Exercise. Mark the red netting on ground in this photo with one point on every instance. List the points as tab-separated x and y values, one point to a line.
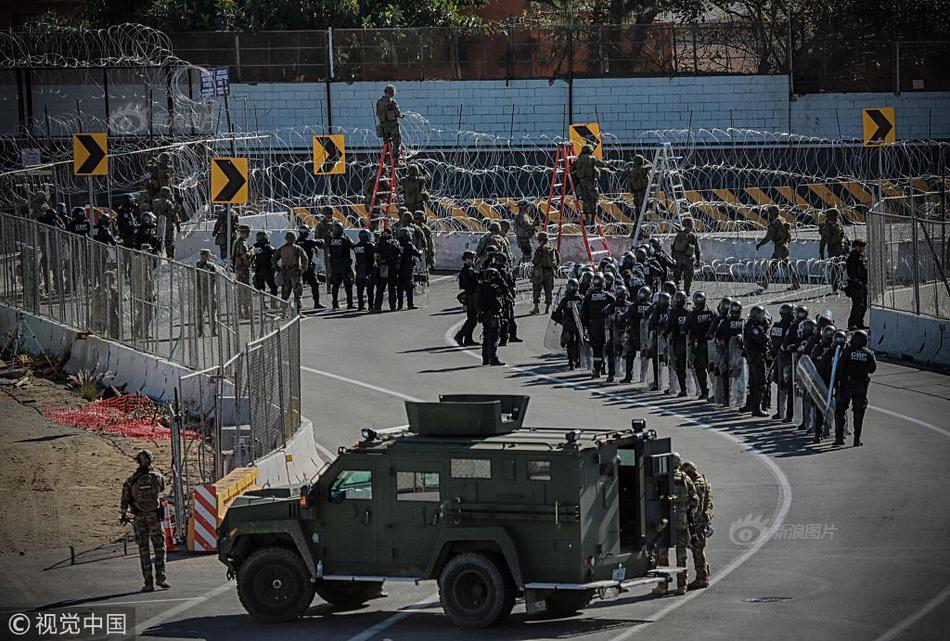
133	415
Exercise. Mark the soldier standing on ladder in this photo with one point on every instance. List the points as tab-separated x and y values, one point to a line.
587	179
388	115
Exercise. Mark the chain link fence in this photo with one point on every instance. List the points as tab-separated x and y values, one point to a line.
909	254
242	400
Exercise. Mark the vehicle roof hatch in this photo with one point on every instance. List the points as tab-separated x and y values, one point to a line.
467	415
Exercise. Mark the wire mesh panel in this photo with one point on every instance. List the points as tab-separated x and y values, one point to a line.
273	366
909	254
196	437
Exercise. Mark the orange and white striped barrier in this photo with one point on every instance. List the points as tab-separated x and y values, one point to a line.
211	502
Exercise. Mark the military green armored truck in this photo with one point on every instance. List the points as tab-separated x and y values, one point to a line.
470	498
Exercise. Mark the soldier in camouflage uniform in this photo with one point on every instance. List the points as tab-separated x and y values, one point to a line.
242	255
831	237
291	260
525	227
140	494
424	234
105	306
207	285
638	175
388	115
685	504
701	527
780	235
545	263
324	232
415	188
165	206
686	254
494	237
586	173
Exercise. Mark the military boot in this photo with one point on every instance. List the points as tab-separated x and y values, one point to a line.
535	310
681	583
162	583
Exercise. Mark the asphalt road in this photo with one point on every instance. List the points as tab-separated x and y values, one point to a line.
854	541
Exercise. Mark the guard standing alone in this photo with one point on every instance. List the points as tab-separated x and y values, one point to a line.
544	262
857	289
857	364
140	494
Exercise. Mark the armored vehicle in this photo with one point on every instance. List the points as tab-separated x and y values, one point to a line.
466	496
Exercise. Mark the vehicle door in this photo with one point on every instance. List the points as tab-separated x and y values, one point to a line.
350	517
656	488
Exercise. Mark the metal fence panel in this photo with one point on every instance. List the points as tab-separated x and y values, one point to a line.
909	255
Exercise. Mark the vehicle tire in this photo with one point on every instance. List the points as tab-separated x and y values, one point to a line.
274	585
562	603
342	594
475	592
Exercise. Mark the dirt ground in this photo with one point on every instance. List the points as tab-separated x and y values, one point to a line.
61	486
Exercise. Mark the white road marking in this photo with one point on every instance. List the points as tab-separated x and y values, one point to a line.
439	279
178	609
916	616
910	419
353	381
785	496
99	603
388	622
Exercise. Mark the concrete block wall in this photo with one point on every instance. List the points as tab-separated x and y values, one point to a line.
626	107
838	115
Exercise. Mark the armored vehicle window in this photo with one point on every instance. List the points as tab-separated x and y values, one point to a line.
417	486
471	468
627	457
539	470
352	484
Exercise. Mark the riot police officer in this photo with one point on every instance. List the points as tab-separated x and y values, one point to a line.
104	230
365	252
309	276
489	304
407	262
677	329
635	321
263	263
564	315
341	266
856	365
388	257
78	222
616	331
782	362
146	234
657	327
699	323
857	288
468	289
594	311
755	341
729	346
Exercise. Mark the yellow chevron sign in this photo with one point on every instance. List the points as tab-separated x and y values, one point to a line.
879	126
587	133
90	154
329	154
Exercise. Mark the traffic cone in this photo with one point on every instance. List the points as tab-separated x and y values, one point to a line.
167	527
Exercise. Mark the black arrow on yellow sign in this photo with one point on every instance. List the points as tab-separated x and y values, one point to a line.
884	125
229	180
329	154
589	136
90	153
878	125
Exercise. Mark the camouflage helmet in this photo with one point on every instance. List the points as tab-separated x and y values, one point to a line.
687	223
403	234
542	236
289	237
418	215
390	89
638	159
143	457
494	227
688	467
241	228
675	460
412	170
505	224
587	149
832	214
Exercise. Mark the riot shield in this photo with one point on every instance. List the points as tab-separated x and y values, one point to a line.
814	386
586	354
738	373
420	278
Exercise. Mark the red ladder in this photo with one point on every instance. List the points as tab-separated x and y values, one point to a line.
393	194
562	185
